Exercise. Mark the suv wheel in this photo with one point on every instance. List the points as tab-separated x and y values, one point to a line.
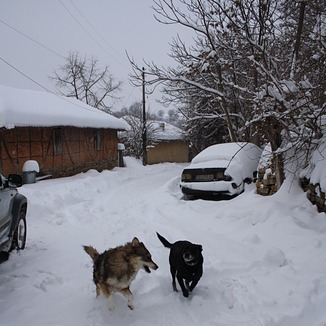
19	239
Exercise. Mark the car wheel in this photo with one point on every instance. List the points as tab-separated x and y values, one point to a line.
19	239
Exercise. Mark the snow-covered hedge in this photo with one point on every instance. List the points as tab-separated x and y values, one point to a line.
266	180
313	178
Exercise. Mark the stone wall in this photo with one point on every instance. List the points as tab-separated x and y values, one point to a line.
266	185
266	182
314	194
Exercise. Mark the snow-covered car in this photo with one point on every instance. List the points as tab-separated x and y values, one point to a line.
221	170
13	209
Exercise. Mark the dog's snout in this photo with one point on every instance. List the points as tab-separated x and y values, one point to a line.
155	267
188	255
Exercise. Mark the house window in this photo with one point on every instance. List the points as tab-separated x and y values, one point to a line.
97	140
57	141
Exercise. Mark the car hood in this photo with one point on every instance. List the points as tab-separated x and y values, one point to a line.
239	159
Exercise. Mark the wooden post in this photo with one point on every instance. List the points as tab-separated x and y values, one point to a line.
144	123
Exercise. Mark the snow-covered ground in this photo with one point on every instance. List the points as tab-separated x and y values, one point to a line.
264	264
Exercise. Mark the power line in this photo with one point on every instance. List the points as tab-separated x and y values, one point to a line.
103	39
92	36
32	39
59	55
32	80
129	97
96	30
35	82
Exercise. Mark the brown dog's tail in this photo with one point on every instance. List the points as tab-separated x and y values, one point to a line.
92	252
165	242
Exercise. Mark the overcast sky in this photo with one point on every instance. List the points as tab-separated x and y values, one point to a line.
36	36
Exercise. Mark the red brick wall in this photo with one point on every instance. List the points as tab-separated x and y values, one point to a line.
20	144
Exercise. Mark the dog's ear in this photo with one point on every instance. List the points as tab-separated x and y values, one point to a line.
135	242
200	248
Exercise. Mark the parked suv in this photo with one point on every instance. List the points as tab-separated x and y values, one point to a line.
13	209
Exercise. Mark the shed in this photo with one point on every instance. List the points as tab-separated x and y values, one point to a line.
64	135
170	144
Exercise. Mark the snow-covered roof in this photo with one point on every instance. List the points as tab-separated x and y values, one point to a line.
159	130
26	108
166	131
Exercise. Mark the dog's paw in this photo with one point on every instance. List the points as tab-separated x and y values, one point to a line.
131	307
186	294
111	306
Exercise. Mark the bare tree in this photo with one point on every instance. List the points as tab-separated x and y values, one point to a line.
81	78
133	136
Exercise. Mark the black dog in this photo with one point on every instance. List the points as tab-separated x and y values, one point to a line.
186	263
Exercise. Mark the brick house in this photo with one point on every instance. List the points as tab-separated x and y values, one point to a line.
65	136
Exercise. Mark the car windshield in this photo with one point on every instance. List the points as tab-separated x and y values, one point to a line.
219	152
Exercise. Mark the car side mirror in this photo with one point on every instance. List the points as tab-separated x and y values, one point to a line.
15	180
248	181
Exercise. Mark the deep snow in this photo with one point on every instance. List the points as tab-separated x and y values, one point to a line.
22	107
264	256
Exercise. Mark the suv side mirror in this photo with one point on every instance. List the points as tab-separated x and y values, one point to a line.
15	180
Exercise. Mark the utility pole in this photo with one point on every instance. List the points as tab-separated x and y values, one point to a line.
144	123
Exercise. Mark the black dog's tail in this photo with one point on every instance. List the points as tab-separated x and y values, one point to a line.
165	242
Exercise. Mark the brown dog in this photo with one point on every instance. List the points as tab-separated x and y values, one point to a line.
116	268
